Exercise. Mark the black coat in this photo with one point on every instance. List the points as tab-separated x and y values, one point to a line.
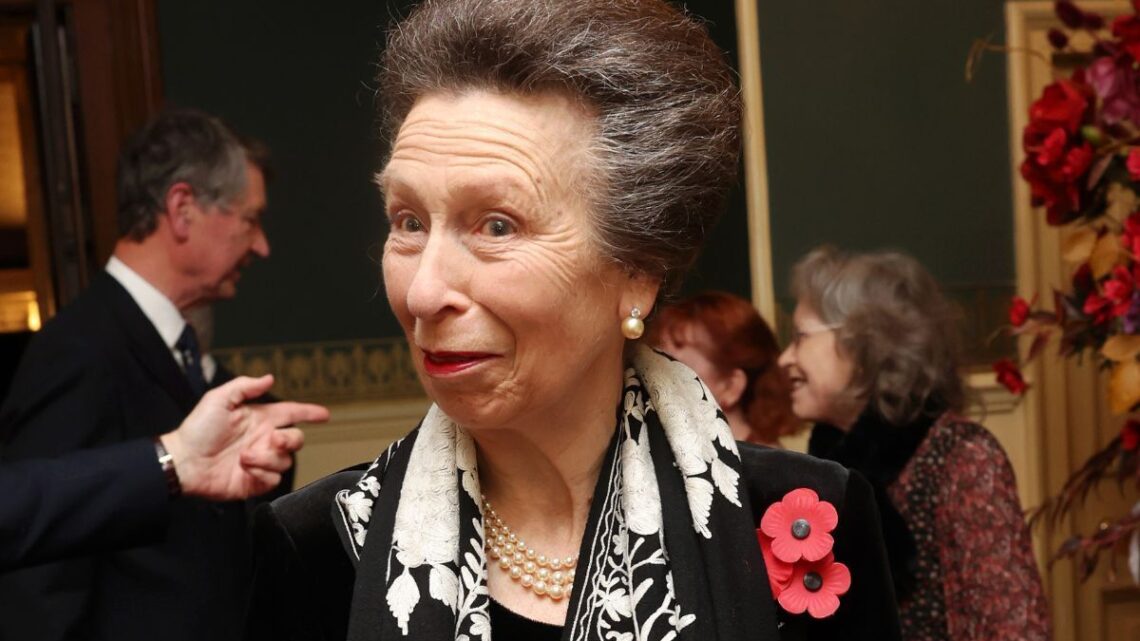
100	374
83	503
304	578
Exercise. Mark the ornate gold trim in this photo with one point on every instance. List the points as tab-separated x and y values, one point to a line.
331	372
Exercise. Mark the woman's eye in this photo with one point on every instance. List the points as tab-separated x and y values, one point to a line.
498	227
409	223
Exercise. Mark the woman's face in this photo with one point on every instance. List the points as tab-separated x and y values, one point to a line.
818	370
489	266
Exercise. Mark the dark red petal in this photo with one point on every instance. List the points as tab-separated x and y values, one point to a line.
1069	14
1058	39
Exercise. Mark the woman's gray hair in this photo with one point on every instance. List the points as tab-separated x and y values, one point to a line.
893	322
666	105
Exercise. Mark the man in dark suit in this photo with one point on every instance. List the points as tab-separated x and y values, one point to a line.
121	363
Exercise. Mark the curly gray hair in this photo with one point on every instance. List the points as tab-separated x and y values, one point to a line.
893	322
666	105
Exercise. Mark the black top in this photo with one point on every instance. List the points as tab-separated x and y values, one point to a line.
305	577
99	374
508	625
879	451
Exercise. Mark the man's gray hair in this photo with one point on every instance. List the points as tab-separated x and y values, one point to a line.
181	145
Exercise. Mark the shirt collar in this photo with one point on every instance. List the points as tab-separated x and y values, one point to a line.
158	309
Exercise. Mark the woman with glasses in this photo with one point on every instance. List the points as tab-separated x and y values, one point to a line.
874	362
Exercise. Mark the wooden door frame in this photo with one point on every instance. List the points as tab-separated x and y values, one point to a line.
1066	415
119	86
755	161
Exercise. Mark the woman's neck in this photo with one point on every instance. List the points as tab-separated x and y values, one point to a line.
738	423
542	486
540	477
540	474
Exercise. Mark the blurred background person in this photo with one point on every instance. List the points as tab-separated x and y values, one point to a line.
722	338
874	362
118	496
119	363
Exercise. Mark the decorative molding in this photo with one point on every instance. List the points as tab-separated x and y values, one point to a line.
1064	410
331	372
352	422
755	161
988	397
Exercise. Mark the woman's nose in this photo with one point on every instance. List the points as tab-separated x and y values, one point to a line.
787	358
439	278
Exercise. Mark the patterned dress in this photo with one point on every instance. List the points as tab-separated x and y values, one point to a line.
976	575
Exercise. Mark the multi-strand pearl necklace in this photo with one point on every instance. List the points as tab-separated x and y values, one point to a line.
545	576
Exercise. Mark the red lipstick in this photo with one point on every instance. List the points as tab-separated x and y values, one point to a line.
448	363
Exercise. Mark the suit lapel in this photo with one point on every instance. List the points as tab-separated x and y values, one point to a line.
145	344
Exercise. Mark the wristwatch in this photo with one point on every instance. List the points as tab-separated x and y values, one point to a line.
173	485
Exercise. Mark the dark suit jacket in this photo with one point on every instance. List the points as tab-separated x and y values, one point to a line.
304	578
99	374
82	503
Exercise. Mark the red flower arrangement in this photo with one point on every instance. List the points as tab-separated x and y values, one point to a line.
795	538
1082	163
1010	376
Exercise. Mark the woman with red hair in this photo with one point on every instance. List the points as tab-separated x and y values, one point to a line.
724	340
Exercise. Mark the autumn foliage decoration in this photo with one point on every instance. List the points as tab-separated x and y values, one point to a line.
1082	163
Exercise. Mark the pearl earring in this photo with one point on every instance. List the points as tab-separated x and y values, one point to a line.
632	327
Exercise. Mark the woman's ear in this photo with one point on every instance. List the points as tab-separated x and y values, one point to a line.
732	388
640	292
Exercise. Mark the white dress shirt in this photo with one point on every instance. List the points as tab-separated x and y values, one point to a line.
159	310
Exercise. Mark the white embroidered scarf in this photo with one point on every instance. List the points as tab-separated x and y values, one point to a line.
669	550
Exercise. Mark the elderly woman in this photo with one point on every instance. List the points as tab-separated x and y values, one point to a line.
554	166
874	362
724	340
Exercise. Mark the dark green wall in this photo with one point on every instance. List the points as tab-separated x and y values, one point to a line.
296	74
724	262
874	139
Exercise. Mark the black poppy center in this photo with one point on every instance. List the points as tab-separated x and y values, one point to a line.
801	529
813	581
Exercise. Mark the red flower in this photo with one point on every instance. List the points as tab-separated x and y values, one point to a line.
1056	159
1010	376
1130	436
779	573
1098	308
1018	311
1058	39
815	587
1131	236
1127	28
800	526
1134	163
1062	104
1069	14
1053	149
1118	290
1077	162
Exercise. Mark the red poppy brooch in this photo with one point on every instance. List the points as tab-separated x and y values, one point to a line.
795	537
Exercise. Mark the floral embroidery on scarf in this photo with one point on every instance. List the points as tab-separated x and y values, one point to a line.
625	586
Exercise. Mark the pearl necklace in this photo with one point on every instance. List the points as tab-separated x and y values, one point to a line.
549	577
